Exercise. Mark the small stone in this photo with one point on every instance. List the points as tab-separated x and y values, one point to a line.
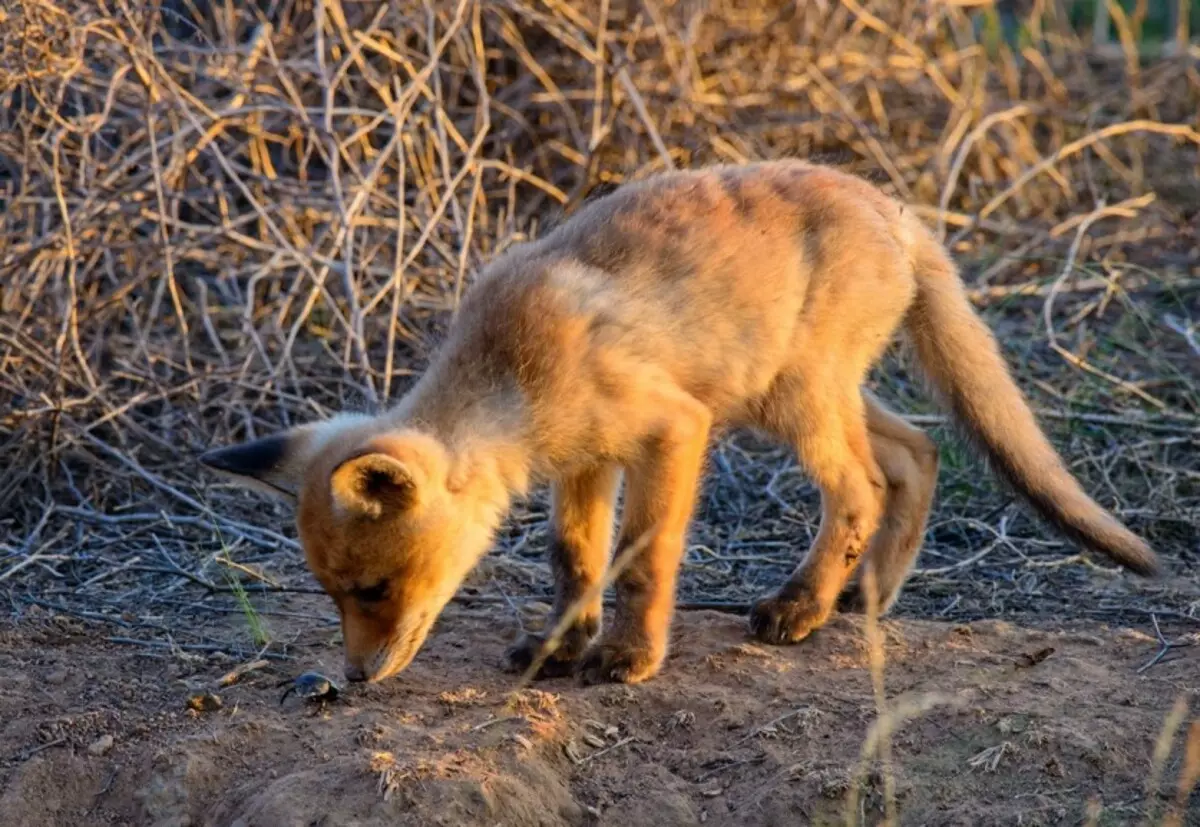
58	677
100	746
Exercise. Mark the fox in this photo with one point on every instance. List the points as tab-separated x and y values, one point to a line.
608	355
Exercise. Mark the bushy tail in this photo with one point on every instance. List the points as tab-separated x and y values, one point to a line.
963	361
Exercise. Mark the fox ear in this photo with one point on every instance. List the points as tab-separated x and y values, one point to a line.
276	464
373	485
271	464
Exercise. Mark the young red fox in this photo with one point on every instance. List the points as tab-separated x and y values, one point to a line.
617	345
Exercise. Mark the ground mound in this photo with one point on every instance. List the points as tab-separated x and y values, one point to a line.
1019	726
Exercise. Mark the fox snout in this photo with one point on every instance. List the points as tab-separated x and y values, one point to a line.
376	649
373	661
366	670
370	667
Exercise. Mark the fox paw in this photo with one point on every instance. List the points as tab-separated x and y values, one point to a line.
787	620
561	662
619	663
852	600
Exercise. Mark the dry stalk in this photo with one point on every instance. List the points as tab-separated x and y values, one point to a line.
1162	751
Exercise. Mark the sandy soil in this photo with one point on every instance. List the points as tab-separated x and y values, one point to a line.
1031	726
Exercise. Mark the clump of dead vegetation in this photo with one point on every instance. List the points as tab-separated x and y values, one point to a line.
219	218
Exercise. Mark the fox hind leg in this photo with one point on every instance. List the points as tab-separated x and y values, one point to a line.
862	285
908	459
833	445
828	427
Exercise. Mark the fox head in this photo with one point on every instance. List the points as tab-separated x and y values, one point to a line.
389	521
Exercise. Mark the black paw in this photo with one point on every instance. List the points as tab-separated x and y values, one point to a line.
617	663
781	620
850	601
853	600
559	663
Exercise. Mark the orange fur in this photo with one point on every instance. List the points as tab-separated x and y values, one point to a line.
620	342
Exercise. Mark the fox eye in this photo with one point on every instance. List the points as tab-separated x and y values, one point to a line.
370	594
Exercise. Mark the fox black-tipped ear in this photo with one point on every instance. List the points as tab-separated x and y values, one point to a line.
277	464
373	485
271	464
258	458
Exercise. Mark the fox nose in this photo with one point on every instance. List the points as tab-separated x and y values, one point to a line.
354	673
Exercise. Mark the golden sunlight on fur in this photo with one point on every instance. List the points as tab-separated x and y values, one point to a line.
619	345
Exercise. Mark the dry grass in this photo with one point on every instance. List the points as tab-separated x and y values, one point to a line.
211	232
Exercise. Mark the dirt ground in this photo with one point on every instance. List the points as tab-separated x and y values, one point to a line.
1022	726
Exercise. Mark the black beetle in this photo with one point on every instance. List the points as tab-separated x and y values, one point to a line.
311	686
